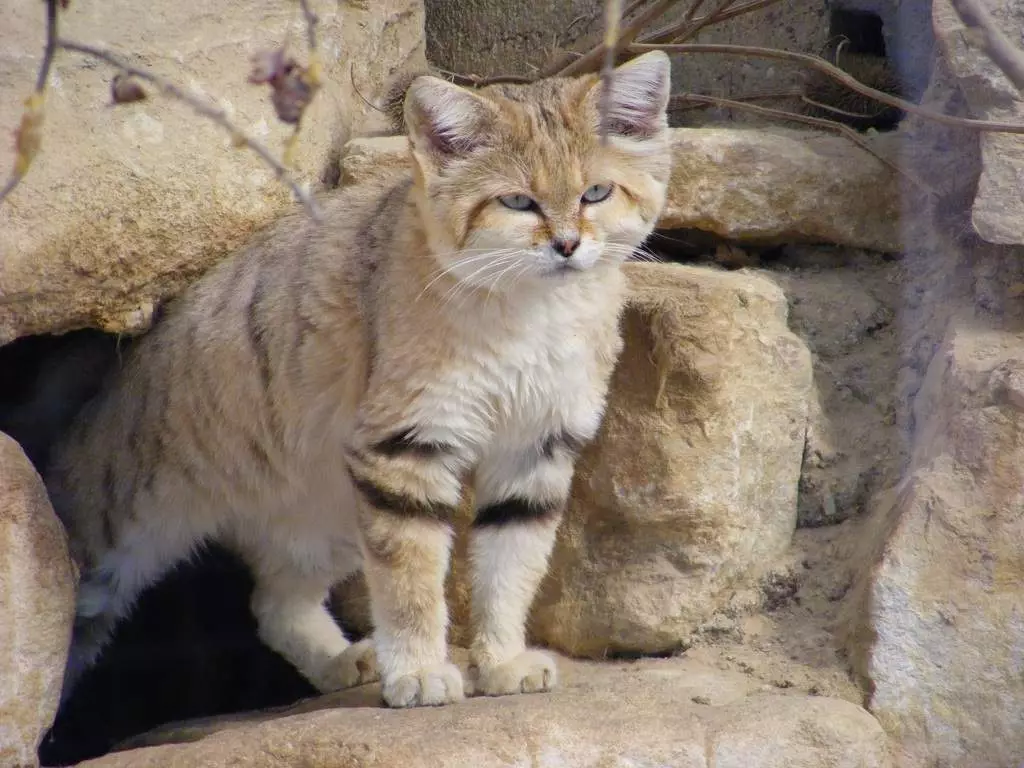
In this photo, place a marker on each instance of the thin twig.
(819, 122)
(703, 21)
(670, 33)
(31, 121)
(311, 21)
(837, 111)
(998, 47)
(816, 62)
(591, 60)
(751, 97)
(612, 17)
(206, 109)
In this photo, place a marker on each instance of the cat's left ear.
(638, 99)
(445, 120)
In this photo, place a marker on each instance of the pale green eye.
(597, 193)
(517, 202)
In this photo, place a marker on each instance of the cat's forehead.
(548, 130)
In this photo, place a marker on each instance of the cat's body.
(319, 400)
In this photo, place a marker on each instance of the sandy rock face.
(690, 489)
(602, 715)
(998, 210)
(124, 206)
(37, 603)
(937, 627)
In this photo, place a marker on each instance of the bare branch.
(816, 62)
(29, 133)
(819, 122)
(671, 33)
(206, 109)
(591, 60)
(997, 46)
(612, 17)
(311, 22)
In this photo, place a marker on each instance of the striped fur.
(318, 400)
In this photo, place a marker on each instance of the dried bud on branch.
(124, 89)
(292, 85)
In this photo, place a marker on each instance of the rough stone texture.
(125, 205)
(764, 186)
(998, 211)
(844, 303)
(944, 636)
(689, 491)
(37, 602)
(602, 714)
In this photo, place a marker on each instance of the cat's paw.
(356, 665)
(529, 672)
(428, 687)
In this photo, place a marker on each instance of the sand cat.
(319, 401)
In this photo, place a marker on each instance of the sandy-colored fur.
(319, 400)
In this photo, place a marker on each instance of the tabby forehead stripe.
(515, 510)
(398, 503)
(404, 442)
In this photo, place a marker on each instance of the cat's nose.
(566, 246)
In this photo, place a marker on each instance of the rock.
(690, 490)
(763, 186)
(934, 624)
(151, 194)
(37, 605)
(998, 210)
(602, 714)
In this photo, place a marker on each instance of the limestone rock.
(124, 206)
(690, 490)
(602, 714)
(935, 624)
(767, 186)
(37, 605)
(998, 211)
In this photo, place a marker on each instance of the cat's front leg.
(520, 495)
(408, 494)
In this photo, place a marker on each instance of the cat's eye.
(518, 202)
(597, 193)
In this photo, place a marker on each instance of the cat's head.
(515, 181)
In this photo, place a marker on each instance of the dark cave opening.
(190, 648)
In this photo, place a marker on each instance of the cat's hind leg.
(288, 602)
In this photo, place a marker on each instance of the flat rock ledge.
(748, 185)
(655, 712)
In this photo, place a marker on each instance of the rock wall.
(124, 206)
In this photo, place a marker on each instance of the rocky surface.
(746, 185)
(676, 712)
(37, 598)
(998, 210)
(689, 491)
(941, 610)
(152, 194)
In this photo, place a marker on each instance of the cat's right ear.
(444, 120)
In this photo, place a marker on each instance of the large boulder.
(690, 490)
(935, 625)
(37, 606)
(125, 205)
(998, 210)
(602, 714)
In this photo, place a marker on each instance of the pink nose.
(565, 245)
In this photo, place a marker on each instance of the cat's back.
(214, 401)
